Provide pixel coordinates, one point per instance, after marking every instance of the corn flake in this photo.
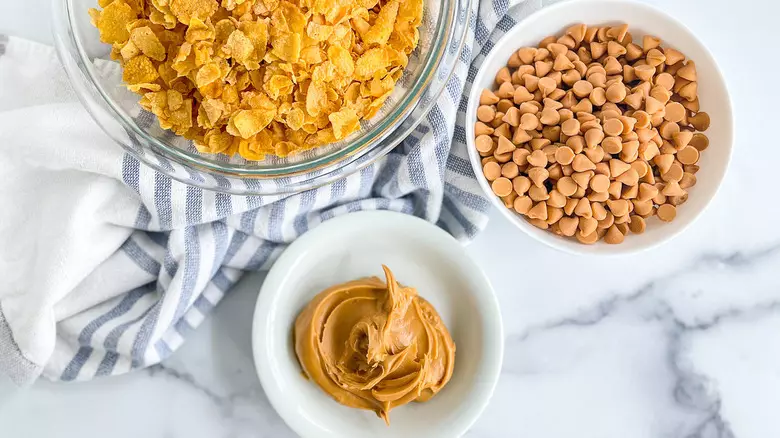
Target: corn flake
(260, 77)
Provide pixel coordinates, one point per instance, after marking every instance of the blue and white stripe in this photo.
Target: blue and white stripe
(191, 245)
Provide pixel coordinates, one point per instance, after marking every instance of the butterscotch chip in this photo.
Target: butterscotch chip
(607, 222)
(688, 180)
(487, 97)
(568, 225)
(521, 136)
(699, 141)
(542, 68)
(522, 204)
(691, 105)
(595, 154)
(618, 207)
(618, 167)
(492, 171)
(537, 158)
(598, 80)
(529, 122)
(509, 201)
(666, 212)
(655, 57)
(566, 186)
(689, 91)
(521, 184)
(531, 107)
(637, 224)
(587, 225)
(538, 175)
(612, 66)
(642, 119)
(539, 143)
(660, 94)
(583, 208)
(599, 212)
(650, 42)
(599, 183)
(700, 121)
(503, 75)
(497, 119)
(482, 129)
(538, 223)
(615, 49)
(556, 199)
(588, 239)
(673, 56)
(619, 33)
(514, 61)
(613, 236)
(529, 81)
(538, 211)
(510, 170)
(669, 129)
(642, 208)
(521, 94)
(581, 163)
(527, 54)
(502, 186)
(484, 143)
(582, 178)
(644, 72)
(512, 116)
(672, 188)
(691, 168)
(630, 192)
(564, 155)
(612, 145)
(503, 158)
(571, 127)
(613, 127)
(640, 167)
(520, 156)
(505, 146)
(582, 88)
(485, 113)
(550, 117)
(682, 139)
(562, 63)
(688, 155)
(629, 177)
(674, 173)
(593, 137)
(506, 91)
(503, 106)
(554, 214)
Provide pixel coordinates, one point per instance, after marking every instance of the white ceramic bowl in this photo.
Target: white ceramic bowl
(421, 255)
(642, 19)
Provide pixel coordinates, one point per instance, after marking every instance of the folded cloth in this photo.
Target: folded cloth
(107, 265)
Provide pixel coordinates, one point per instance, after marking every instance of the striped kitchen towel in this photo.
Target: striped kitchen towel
(107, 265)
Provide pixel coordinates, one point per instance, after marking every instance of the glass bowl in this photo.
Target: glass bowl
(97, 81)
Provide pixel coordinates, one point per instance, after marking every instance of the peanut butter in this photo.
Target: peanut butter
(374, 345)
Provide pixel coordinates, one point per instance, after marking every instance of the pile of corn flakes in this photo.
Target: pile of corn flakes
(258, 77)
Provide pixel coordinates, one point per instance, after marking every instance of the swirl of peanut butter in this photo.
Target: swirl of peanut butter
(374, 345)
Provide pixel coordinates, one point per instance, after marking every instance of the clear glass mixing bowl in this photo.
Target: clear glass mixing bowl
(97, 81)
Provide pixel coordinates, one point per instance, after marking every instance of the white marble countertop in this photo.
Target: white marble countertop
(678, 342)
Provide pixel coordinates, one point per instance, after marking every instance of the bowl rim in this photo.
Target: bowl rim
(327, 163)
(262, 320)
(550, 239)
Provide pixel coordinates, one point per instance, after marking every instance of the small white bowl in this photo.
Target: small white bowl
(420, 255)
(641, 19)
